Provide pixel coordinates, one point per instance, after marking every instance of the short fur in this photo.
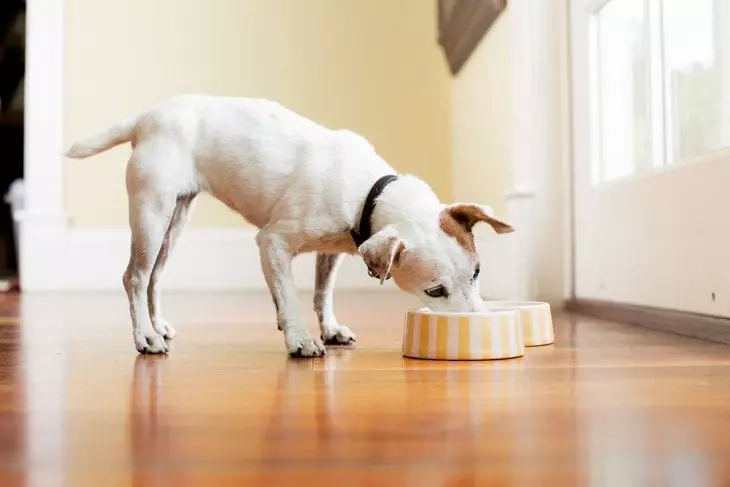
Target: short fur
(303, 186)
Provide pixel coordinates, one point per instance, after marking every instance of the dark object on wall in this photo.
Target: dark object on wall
(462, 24)
(12, 52)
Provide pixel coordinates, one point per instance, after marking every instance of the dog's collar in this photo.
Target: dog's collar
(364, 230)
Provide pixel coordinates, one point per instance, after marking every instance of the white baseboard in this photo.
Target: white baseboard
(42, 248)
(203, 259)
(59, 258)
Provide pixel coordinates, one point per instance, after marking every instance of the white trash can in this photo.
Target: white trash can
(15, 197)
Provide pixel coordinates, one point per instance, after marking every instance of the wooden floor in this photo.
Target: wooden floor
(607, 405)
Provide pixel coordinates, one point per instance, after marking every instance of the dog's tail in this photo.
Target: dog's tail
(118, 134)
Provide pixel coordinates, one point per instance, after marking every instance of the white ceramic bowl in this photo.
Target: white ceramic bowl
(537, 321)
(463, 336)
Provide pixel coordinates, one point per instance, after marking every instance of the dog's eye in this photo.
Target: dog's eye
(437, 292)
(476, 273)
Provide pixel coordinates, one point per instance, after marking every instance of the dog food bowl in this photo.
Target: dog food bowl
(537, 322)
(496, 334)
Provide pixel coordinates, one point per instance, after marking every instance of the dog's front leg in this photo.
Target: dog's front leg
(324, 285)
(276, 259)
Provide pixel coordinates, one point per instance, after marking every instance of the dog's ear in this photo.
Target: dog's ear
(382, 251)
(469, 214)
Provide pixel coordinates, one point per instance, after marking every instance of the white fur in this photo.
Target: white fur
(301, 184)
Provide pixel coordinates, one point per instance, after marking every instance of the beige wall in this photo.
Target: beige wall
(369, 65)
(481, 107)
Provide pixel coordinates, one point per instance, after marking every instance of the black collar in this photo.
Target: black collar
(365, 230)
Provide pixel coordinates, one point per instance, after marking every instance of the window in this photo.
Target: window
(660, 84)
(697, 76)
(621, 47)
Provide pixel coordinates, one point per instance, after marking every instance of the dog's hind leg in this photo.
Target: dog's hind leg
(149, 221)
(180, 216)
(324, 285)
(152, 204)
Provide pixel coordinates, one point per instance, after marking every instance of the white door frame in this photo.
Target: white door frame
(43, 224)
(539, 202)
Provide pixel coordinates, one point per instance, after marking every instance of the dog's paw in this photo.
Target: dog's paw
(339, 335)
(150, 343)
(300, 343)
(164, 328)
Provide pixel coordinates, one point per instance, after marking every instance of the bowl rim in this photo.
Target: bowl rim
(491, 312)
(515, 303)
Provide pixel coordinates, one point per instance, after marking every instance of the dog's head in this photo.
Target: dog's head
(436, 261)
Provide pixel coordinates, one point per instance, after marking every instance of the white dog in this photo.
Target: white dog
(307, 188)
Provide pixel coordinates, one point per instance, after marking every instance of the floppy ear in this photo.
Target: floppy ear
(381, 251)
(468, 214)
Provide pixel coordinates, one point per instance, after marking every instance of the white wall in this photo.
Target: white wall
(481, 108)
(510, 146)
(659, 237)
(373, 66)
(525, 159)
(370, 65)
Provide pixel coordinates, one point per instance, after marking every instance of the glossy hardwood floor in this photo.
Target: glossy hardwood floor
(607, 405)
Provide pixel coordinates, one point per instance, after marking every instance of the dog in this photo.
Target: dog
(307, 188)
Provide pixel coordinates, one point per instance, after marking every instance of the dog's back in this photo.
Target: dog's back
(256, 156)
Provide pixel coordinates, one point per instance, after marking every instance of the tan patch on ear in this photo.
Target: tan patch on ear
(469, 214)
(451, 226)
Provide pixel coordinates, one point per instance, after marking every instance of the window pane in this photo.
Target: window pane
(697, 76)
(621, 90)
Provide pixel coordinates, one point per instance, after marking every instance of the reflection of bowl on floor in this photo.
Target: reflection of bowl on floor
(496, 334)
(537, 322)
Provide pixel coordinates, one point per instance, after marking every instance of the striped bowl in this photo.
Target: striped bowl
(463, 336)
(537, 321)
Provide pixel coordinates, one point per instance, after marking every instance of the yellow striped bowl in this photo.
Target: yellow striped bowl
(537, 321)
(463, 336)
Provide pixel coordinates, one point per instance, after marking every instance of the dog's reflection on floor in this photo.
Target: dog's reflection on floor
(293, 398)
(302, 413)
(149, 425)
